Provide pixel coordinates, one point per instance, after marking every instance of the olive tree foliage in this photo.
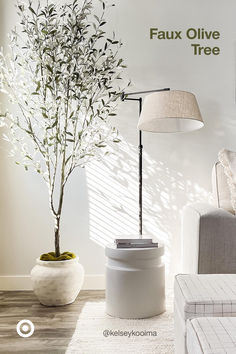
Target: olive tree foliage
(63, 72)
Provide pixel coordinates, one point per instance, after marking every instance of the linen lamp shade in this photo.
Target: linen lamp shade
(170, 112)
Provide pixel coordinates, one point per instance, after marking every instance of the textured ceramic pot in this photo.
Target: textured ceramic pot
(57, 283)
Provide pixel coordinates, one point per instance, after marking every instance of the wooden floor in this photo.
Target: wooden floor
(54, 326)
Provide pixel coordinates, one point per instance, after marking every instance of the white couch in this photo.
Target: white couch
(209, 232)
(211, 335)
(201, 295)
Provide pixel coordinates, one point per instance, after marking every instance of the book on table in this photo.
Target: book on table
(135, 243)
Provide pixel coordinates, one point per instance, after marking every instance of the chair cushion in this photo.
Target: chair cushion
(202, 295)
(211, 335)
(220, 188)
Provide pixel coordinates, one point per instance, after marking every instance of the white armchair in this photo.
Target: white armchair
(209, 232)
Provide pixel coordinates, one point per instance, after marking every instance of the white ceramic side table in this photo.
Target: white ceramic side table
(135, 282)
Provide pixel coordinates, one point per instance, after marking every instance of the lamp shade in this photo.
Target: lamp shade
(170, 112)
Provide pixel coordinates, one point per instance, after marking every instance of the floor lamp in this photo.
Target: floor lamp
(163, 111)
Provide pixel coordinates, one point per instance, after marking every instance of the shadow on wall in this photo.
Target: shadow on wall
(113, 198)
(5, 203)
(2, 21)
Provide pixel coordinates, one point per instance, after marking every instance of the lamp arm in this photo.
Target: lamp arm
(126, 94)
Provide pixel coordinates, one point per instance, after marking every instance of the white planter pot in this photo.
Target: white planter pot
(57, 283)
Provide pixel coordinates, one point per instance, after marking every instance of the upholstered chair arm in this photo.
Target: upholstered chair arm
(208, 240)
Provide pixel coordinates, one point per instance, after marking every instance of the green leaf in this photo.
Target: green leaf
(49, 68)
(69, 133)
(32, 10)
(52, 126)
(51, 10)
(38, 86)
(119, 62)
(29, 132)
(49, 87)
(100, 145)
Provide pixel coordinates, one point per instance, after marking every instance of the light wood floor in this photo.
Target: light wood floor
(54, 326)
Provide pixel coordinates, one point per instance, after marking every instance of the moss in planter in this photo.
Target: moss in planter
(50, 256)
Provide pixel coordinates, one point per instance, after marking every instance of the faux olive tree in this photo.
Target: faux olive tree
(63, 73)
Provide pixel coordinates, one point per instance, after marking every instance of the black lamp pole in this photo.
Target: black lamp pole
(125, 97)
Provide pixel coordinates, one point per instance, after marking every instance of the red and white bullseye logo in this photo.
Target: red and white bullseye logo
(25, 328)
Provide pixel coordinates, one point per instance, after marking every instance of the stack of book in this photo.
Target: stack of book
(135, 243)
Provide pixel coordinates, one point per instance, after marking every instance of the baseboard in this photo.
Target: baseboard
(94, 282)
(15, 282)
(23, 282)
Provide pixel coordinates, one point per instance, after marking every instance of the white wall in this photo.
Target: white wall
(101, 201)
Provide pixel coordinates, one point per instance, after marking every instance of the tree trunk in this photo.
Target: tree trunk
(57, 235)
(58, 218)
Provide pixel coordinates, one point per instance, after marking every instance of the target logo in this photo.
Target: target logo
(25, 328)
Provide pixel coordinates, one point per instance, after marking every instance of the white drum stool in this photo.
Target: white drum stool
(135, 282)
